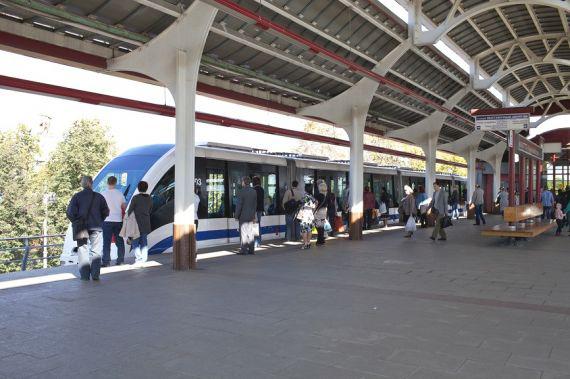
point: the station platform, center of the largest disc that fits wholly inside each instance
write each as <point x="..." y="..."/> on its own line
<point x="384" y="307"/>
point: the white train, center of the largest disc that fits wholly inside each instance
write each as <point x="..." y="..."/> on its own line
<point x="219" y="169"/>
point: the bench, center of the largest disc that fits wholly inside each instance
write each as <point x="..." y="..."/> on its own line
<point x="522" y="221"/>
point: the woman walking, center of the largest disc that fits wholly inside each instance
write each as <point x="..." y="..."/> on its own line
<point x="559" y="218"/>
<point x="141" y="205"/>
<point x="321" y="212"/>
<point x="408" y="209"/>
<point x="422" y="205"/>
<point x="306" y="217"/>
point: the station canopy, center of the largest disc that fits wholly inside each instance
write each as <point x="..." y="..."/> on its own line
<point x="522" y="46"/>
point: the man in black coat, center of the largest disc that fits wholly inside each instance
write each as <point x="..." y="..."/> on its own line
<point x="87" y="210"/>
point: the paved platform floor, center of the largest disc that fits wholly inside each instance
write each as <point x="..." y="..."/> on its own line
<point x="385" y="307"/>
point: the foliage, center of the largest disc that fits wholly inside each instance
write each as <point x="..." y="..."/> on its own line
<point x="320" y="149"/>
<point x="85" y="148"/>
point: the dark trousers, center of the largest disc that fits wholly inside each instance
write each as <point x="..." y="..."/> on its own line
<point x="111" y="229"/>
<point x="367" y="218"/>
<point x="547" y="210"/>
<point x="320" y="235"/>
<point x="479" y="214"/>
<point x="423" y="220"/>
<point x="560" y="224"/>
<point x="293" y="227"/>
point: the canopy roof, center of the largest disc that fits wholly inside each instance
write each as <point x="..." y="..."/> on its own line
<point x="524" y="46"/>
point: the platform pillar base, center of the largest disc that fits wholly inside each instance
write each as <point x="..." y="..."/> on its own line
<point x="184" y="247"/>
<point x="355" y="226"/>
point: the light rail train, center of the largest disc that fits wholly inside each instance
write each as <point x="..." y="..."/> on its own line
<point x="219" y="169"/>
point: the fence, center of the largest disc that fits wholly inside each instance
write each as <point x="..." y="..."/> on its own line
<point x="22" y="253"/>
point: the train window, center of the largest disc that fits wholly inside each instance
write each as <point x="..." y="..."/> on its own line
<point x="216" y="191"/>
<point x="126" y="181"/>
<point x="162" y="196"/>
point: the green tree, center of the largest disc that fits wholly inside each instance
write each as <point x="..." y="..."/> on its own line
<point x="321" y="149"/>
<point x="85" y="148"/>
<point x="20" y="201"/>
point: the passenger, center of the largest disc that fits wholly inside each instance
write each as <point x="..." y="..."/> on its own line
<point x="113" y="223"/>
<point x="408" y="208"/>
<point x="478" y="199"/>
<point x="454" y="202"/>
<point x="260" y="208"/>
<point x="385" y="198"/>
<point x="86" y="211"/>
<point x="438" y="207"/>
<point x="547" y="200"/>
<point x="503" y="200"/>
<point x="306" y="217"/>
<point x="561" y="198"/>
<point x="567" y="212"/>
<point x="196" y="205"/>
<point x="141" y="205"/>
<point x="246" y="210"/>
<point x="321" y="211"/>
<point x="517" y="199"/>
<point x="332" y="208"/>
<point x="559" y="215"/>
<point x="291" y="204"/>
<point x="422" y="206"/>
<point x="369" y="203"/>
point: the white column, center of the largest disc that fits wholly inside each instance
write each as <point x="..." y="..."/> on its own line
<point x="497" y="174"/>
<point x="356" y="173"/>
<point x="471" y="173"/>
<point x="430" y="148"/>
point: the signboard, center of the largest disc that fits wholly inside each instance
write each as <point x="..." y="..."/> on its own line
<point x="552" y="148"/>
<point x="527" y="148"/>
<point x="502" y="119"/>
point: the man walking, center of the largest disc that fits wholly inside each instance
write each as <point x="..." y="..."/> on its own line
<point x="547" y="200"/>
<point x="291" y="204"/>
<point x="477" y="199"/>
<point x="439" y="208"/>
<point x="260" y="207"/>
<point x="86" y="211"/>
<point x="114" y="222"/>
<point x="246" y="214"/>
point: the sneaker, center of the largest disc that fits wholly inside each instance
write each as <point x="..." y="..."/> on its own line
<point x="442" y="239"/>
<point x="106" y="264"/>
<point x="432" y="238"/>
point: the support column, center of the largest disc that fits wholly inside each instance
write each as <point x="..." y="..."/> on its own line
<point x="538" y="181"/>
<point x="522" y="181"/>
<point x="471" y="173"/>
<point x="497" y="175"/>
<point x="430" y="149"/>
<point x="531" y="197"/>
<point x="173" y="58"/>
<point x="553" y="178"/>
<point x="511" y="168"/>
<point x="356" y="174"/>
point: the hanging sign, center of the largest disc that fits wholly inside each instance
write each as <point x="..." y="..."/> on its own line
<point x="502" y="119"/>
<point x="527" y="148"/>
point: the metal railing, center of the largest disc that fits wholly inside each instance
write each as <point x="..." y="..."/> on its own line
<point x="27" y="251"/>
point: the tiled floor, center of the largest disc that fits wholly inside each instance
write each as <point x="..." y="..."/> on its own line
<point x="385" y="307"/>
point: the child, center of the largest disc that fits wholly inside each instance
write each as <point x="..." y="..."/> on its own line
<point x="559" y="218"/>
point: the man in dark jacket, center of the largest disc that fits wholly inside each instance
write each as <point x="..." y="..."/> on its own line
<point x="246" y="214"/>
<point x="260" y="207"/>
<point x="86" y="211"/>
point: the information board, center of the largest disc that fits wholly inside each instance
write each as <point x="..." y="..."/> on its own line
<point x="503" y="122"/>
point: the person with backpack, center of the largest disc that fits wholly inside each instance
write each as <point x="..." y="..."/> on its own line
<point x="86" y="211"/>
<point x="291" y="204"/>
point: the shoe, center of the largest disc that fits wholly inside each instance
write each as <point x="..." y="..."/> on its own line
<point x="476" y="224"/>
<point x="240" y="253"/>
<point x="251" y="254"/>
<point x="85" y="279"/>
<point x="432" y="238"/>
<point x="119" y="263"/>
<point x="442" y="239"/>
<point x="96" y="279"/>
<point x="407" y="236"/>
<point x="106" y="264"/>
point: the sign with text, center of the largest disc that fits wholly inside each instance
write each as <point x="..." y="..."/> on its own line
<point x="527" y="148"/>
<point x="502" y="119"/>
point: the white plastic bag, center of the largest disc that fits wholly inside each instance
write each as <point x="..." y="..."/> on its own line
<point x="411" y="224"/>
<point x="383" y="208"/>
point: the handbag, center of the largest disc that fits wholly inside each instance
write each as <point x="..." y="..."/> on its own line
<point x="79" y="225"/>
<point x="256" y="230"/>
<point x="411" y="225"/>
<point x="446" y="222"/>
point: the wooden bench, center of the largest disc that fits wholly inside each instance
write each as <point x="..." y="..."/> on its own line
<point x="522" y="221"/>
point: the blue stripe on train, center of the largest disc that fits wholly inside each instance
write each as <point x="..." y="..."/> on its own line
<point x="206" y="235"/>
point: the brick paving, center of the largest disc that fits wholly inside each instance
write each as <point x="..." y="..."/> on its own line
<point x="385" y="307"/>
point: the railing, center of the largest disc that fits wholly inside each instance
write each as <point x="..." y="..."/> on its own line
<point x="29" y="251"/>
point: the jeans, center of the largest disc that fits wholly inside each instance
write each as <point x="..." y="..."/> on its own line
<point x="111" y="229"/>
<point x="438" y="227"/>
<point x="247" y="238"/>
<point x="547" y="210"/>
<point x="454" y="211"/>
<point x="258" y="238"/>
<point x="140" y="248"/>
<point x="89" y="260"/>
<point x="293" y="228"/>
<point x="479" y="214"/>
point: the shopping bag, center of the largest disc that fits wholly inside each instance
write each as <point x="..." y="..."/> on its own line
<point x="255" y="228"/>
<point x="446" y="222"/>
<point x="383" y="208"/>
<point x="327" y="226"/>
<point x="411" y="225"/>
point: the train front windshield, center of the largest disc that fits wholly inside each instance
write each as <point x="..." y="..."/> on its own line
<point x="128" y="170"/>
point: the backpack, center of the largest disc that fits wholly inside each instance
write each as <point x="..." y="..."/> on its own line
<point x="292" y="205"/>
